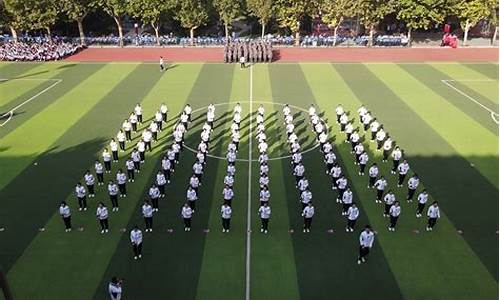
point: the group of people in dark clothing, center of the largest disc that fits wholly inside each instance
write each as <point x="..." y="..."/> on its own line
<point x="253" y="52"/>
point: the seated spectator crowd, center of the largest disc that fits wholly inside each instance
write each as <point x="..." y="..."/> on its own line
<point x="37" y="51"/>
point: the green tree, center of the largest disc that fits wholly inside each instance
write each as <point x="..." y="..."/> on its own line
<point x="333" y="13"/>
<point x="228" y="11"/>
<point x="6" y="20"/>
<point x="77" y="10"/>
<point x="290" y="13"/>
<point x="150" y="12"/>
<point x="263" y="10"/>
<point x="421" y="13"/>
<point x="371" y="12"/>
<point x="192" y="14"/>
<point x="40" y="14"/>
<point x="494" y="22"/>
<point x="117" y="9"/>
<point x="470" y="12"/>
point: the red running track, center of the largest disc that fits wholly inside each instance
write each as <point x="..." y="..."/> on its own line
<point x="292" y="54"/>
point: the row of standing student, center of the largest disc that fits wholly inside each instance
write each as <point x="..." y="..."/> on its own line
<point x="264" y="211"/>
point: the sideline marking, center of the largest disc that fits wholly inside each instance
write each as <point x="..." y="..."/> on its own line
<point x="249" y="201"/>
<point x="10" y="113"/>
<point x="493" y="114"/>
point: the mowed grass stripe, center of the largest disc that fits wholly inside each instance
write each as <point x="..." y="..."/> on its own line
<point x="22" y="86"/>
<point x="13" y="69"/>
<point x="490" y="70"/>
<point x="448" y="176"/>
<point x="173" y="261"/>
<point x="40" y="256"/>
<point x="417" y="261"/>
<point x="72" y="78"/>
<point x="432" y="77"/>
<point x="224" y="253"/>
<point x="465" y="136"/>
<point x="39" y="134"/>
<point x="472" y="82"/>
<point x="325" y="262"/>
<point x="272" y="254"/>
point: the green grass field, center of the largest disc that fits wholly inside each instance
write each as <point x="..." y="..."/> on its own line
<point x="450" y="140"/>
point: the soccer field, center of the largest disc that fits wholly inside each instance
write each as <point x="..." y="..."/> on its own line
<point x="57" y="118"/>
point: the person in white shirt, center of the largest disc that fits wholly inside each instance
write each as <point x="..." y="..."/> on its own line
<point x="380" y="136"/>
<point x="115" y="289"/>
<point x="164" y="111"/>
<point x="363" y="159"/>
<point x="162" y="64"/>
<point x="341" y="186"/>
<point x="231" y="157"/>
<point x="335" y="172"/>
<point x="374" y="127"/>
<point x="141" y="148"/>
<point x="194" y="182"/>
<point x="312" y="110"/>
<point x="308" y="213"/>
<point x="286" y="110"/>
<point x="113" y="194"/>
<point x="303" y="184"/>
<point x="127" y="128"/>
<point x="154" y="195"/>
<point x="161" y="181"/>
<point x="344" y="119"/>
<point x="153" y="128"/>
<point x="389" y="200"/>
<point x="133" y="121"/>
<point x="187" y="214"/>
<point x="226" y="212"/>
<point x="81" y="196"/>
<point x="396" y="155"/>
<point x="305" y="198"/>
<point x="191" y="197"/>
<point x="136" y="158"/>
<point x="339" y="111"/>
<point x="65" y="213"/>
<point x="147" y="212"/>
<point x="296" y="159"/>
<point x="159" y="120"/>
<point x="394" y="213"/>
<point x="433" y="215"/>
<point x="106" y="158"/>
<point x="387" y="148"/>
<point x="129" y="164"/>
<point x="231" y="170"/>
<point x="188" y="110"/>
<point x="138" y="112"/>
<point x="264" y="181"/>
<point x="264" y="195"/>
<point x="99" y="171"/>
<point x="136" y="240"/>
<point x="198" y="170"/>
<point x="403" y="169"/>
<point x="366" y="239"/>
<point x="413" y="183"/>
<point x="367" y="118"/>
<point x="121" y="179"/>
<point x="352" y="216"/>
<point x="89" y="182"/>
<point x="102" y="216"/>
<point x="380" y="185"/>
<point x="330" y="159"/>
<point x="361" y="112"/>
<point x="346" y="201"/>
<point x="228" y="194"/>
<point x="421" y="200"/>
<point x="147" y="135"/>
<point x="265" y="214"/>
<point x="372" y="175"/>
<point x="113" y="145"/>
<point x="121" y="138"/>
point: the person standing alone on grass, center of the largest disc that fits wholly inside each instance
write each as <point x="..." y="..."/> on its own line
<point x="265" y="214"/>
<point x="115" y="289"/>
<point x="65" y="213"/>
<point x="162" y="64"/>
<point x="136" y="239"/>
<point x="226" y="217"/>
<point x="366" y="239"/>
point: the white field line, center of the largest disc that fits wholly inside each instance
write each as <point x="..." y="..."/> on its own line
<point x="10" y="113"/>
<point x="249" y="196"/>
<point x="493" y="114"/>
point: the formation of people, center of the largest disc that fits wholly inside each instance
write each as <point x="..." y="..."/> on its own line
<point x="372" y="129"/>
<point x="243" y="52"/>
<point x="33" y="51"/>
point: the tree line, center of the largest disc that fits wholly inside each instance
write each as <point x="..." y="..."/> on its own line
<point x="192" y="14"/>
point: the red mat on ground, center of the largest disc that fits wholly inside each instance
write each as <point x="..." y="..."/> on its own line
<point x="292" y="54"/>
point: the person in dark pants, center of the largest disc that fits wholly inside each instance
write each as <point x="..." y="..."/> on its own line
<point x="394" y="213"/>
<point x="421" y="200"/>
<point x="308" y="214"/>
<point x="433" y="215"/>
<point x="102" y="216"/>
<point x="81" y="194"/>
<point x="65" y="213"/>
<point x="89" y="182"/>
<point x="366" y="239"/>
<point x="113" y="194"/>
<point x="352" y="216"/>
<point x="187" y="214"/>
<point x="265" y="214"/>
<point x="99" y="171"/>
<point x="226" y="217"/>
<point x="147" y="213"/>
<point x="136" y="240"/>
